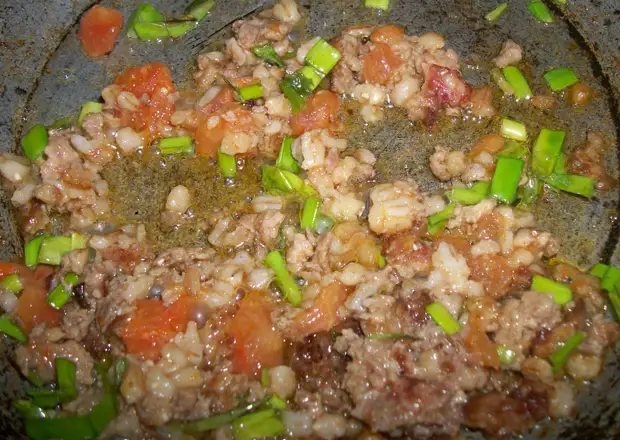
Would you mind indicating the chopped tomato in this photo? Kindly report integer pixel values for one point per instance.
(380, 64)
(155, 81)
(8, 268)
(324, 313)
(256, 343)
(209, 136)
(32, 308)
(387, 34)
(151, 325)
(99, 27)
(491, 143)
(320, 111)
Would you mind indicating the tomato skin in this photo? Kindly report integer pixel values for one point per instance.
(99, 27)
(256, 343)
(8, 268)
(32, 308)
(387, 34)
(151, 325)
(380, 64)
(155, 81)
(324, 313)
(320, 111)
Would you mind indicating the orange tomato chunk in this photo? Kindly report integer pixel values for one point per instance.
(99, 27)
(387, 34)
(320, 111)
(380, 64)
(32, 308)
(324, 313)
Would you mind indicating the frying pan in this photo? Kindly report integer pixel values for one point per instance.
(44, 76)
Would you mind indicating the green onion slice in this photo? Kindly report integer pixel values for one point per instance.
(599, 270)
(513, 130)
(227, 164)
(322, 57)
(169, 29)
(506, 355)
(144, 13)
(560, 164)
(257, 425)
(547, 148)
(514, 149)
(61, 294)
(277, 181)
(198, 9)
(11, 329)
(561, 78)
(218, 420)
(498, 77)
(377, 4)
(529, 193)
(267, 53)
(614, 297)
(505, 181)
(559, 357)
(496, 12)
(572, 183)
(276, 402)
(312, 77)
(176, 145)
(66, 391)
(444, 214)
(610, 279)
(443, 318)
(31, 250)
(52, 249)
(34, 142)
(251, 92)
(275, 261)
(323, 224)
(309, 213)
(89, 107)
(538, 9)
(12, 283)
(469, 196)
(285, 160)
(265, 380)
(518, 82)
(561, 293)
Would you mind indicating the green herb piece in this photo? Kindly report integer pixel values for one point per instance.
(513, 130)
(496, 12)
(11, 329)
(529, 193)
(469, 196)
(198, 9)
(227, 164)
(443, 318)
(297, 88)
(119, 371)
(322, 57)
(251, 92)
(561, 78)
(12, 283)
(312, 77)
(518, 82)
(538, 9)
(52, 249)
(285, 160)
(561, 293)
(265, 380)
(31, 250)
(506, 355)
(276, 402)
(377, 4)
(506, 178)
(560, 164)
(144, 13)
(66, 391)
(61, 294)
(285, 281)
(218, 420)
(89, 107)
(169, 29)
(323, 224)
(599, 270)
(277, 181)
(34, 142)
(559, 357)
(64, 122)
(267, 53)
(610, 279)
(547, 148)
(309, 213)
(572, 183)
(498, 77)
(257, 425)
(176, 145)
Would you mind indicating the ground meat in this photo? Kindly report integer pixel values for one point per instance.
(446, 164)
(589, 161)
(511, 53)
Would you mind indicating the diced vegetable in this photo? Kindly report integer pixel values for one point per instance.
(279, 181)
(218, 420)
(34, 142)
(540, 11)
(506, 355)
(64, 122)
(599, 270)
(78, 241)
(172, 29)
(310, 213)
(265, 380)
(500, 80)
(469, 196)
(381, 336)
(257, 425)
(572, 183)
(12, 283)
(144, 13)
(561, 293)
(513, 130)
(284, 279)
(514, 149)
(61, 294)
(296, 88)
(249, 93)
(559, 357)
(505, 181)
(99, 27)
(614, 297)
(11, 329)
(443, 318)
(381, 260)
(610, 279)
(267, 53)
(518, 82)
(560, 164)
(198, 9)
(227, 164)
(276, 402)
(322, 57)
(496, 12)
(285, 160)
(323, 224)
(442, 215)
(312, 76)
(561, 78)
(89, 107)
(546, 150)
(377, 4)
(66, 390)
(176, 145)
(119, 371)
(529, 193)
(53, 249)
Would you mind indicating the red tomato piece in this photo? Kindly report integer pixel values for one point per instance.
(387, 34)
(320, 111)
(32, 307)
(99, 27)
(380, 64)
(324, 313)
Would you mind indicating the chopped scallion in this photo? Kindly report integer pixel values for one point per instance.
(496, 12)
(614, 297)
(443, 318)
(506, 355)
(12, 283)
(610, 279)
(377, 4)
(265, 380)
(296, 88)
(34, 142)
(89, 107)
(11, 329)
(381, 260)
(312, 77)
(52, 249)
(31, 250)
(309, 213)
(257, 425)
(442, 215)
(267, 53)
(144, 13)
(500, 80)
(66, 391)
(547, 148)
(559, 357)
(514, 149)
(61, 294)
(529, 193)
(572, 183)
(323, 224)
(276, 402)
(251, 92)
(156, 30)
(505, 181)
(560, 164)
(176, 145)
(218, 420)
(518, 82)
(198, 9)
(513, 130)
(538, 9)
(469, 196)
(78, 241)
(561, 78)
(285, 160)
(227, 164)
(322, 57)
(561, 293)
(284, 279)
(599, 270)
(277, 181)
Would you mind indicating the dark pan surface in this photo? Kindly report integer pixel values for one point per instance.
(45, 76)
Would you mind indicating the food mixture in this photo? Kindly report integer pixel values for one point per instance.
(317, 299)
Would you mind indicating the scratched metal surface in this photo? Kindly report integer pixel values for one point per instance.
(45, 76)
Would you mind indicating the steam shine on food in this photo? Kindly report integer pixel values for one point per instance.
(221, 263)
